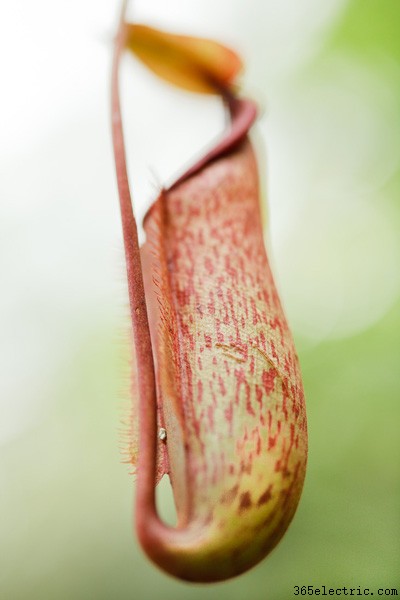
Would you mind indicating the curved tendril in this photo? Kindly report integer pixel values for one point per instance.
(140, 326)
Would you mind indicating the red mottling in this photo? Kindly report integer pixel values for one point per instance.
(220, 335)
(213, 397)
(252, 365)
(286, 494)
(194, 211)
(249, 405)
(199, 391)
(192, 341)
(284, 403)
(210, 414)
(229, 496)
(266, 298)
(232, 272)
(242, 382)
(246, 308)
(228, 412)
(209, 518)
(234, 319)
(208, 341)
(258, 447)
(247, 466)
(181, 297)
(263, 341)
(209, 266)
(259, 395)
(266, 496)
(226, 350)
(245, 501)
(268, 379)
(189, 374)
(286, 455)
(215, 473)
(211, 304)
(287, 365)
(254, 312)
(274, 323)
(274, 352)
(220, 284)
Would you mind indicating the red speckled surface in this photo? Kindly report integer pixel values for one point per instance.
(229, 385)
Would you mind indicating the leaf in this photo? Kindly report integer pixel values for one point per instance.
(195, 64)
(216, 364)
(229, 388)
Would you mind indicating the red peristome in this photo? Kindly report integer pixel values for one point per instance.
(243, 113)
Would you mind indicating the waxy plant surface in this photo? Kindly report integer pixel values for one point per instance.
(229, 389)
(216, 370)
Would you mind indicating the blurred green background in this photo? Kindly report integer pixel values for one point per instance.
(329, 77)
